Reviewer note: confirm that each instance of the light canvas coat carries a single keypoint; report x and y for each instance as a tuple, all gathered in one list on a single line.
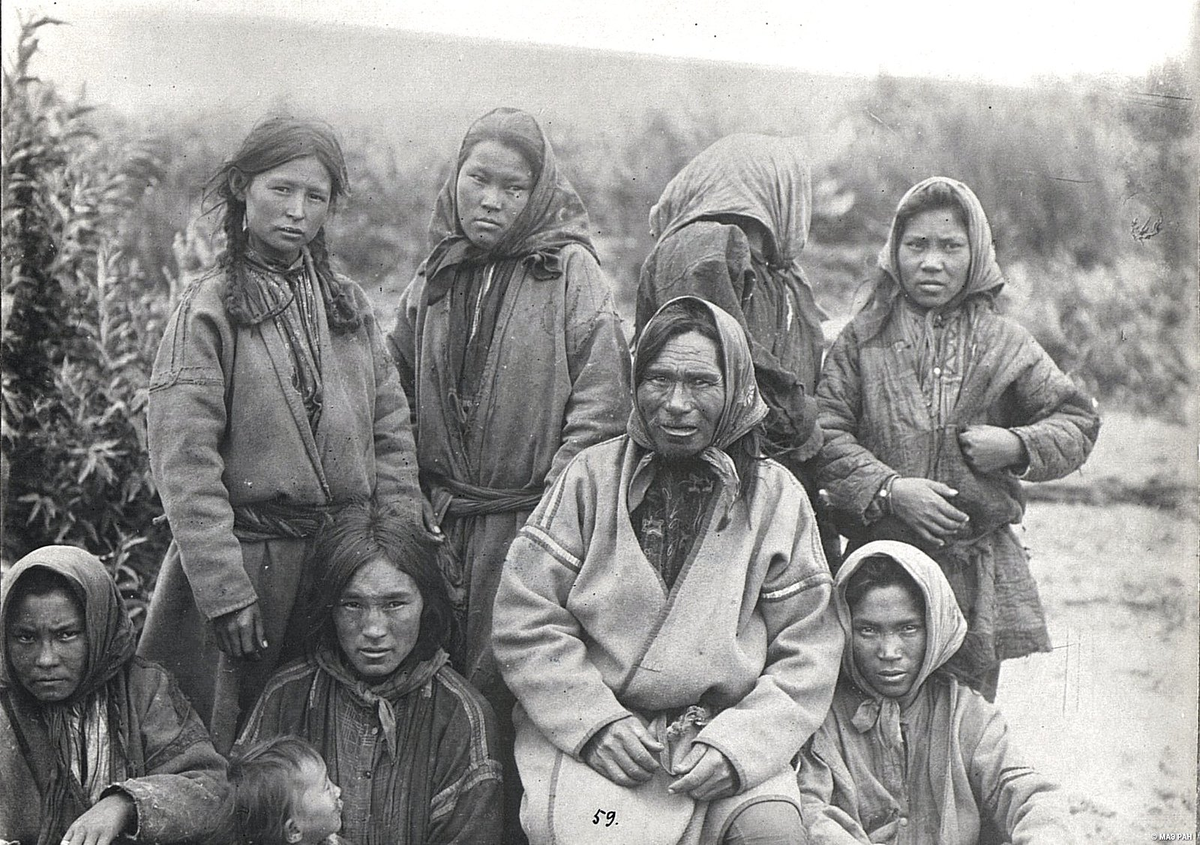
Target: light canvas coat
[(228, 428), (954, 779), (587, 633)]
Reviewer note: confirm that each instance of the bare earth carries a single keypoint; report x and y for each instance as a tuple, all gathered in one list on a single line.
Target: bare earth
[(1111, 713)]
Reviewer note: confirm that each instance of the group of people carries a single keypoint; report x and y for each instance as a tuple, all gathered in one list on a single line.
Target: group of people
[(485, 576)]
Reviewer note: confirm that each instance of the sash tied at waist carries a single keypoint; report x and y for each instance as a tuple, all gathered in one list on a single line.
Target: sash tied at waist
[(458, 498), (273, 520)]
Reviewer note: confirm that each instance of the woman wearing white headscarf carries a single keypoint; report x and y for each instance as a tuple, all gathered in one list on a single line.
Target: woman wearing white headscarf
[(907, 754)]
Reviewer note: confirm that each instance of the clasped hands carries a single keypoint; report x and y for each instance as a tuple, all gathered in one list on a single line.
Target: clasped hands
[(627, 754), (925, 504)]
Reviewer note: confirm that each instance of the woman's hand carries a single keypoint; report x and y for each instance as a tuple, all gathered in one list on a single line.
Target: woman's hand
[(707, 774), (624, 752), (924, 505), (240, 633), (108, 819), (429, 518), (989, 448)]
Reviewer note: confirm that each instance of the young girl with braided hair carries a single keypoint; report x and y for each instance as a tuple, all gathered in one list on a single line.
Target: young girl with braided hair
[(272, 403)]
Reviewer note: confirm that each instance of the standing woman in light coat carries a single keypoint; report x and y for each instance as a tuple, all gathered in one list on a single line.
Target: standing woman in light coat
[(272, 403)]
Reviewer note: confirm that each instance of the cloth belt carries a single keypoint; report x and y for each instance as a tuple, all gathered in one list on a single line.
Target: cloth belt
[(273, 520), (471, 500)]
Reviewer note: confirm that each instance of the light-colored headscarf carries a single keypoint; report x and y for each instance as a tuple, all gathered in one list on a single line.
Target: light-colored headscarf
[(984, 278), (91, 730), (762, 177), (945, 629), (744, 407)]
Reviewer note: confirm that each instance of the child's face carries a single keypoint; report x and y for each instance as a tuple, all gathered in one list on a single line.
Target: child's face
[(286, 206), (888, 639), (316, 804), (935, 256)]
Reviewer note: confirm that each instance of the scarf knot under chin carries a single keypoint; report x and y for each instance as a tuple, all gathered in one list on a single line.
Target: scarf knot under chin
[(881, 712), (382, 696)]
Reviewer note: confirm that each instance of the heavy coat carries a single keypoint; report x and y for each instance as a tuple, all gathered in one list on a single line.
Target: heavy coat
[(227, 428), (548, 375), (764, 179), (879, 424)]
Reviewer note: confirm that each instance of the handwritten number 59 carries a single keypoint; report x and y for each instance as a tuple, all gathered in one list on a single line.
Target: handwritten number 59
[(608, 817)]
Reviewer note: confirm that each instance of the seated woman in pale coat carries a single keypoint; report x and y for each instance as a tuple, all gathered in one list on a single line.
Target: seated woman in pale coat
[(663, 618)]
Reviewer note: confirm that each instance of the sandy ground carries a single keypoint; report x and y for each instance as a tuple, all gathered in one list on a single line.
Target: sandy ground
[(1112, 712)]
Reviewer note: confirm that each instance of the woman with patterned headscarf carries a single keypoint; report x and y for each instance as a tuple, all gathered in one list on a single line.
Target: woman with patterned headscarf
[(935, 408), (663, 618), (96, 743)]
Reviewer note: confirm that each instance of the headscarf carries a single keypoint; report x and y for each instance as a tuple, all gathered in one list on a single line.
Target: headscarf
[(984, 278), (553, 217), (744, 407), (761, 177), (99, 704), (945, 629)]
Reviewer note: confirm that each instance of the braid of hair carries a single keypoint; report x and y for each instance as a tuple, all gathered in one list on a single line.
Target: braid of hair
[(345, 316), (236, 240)]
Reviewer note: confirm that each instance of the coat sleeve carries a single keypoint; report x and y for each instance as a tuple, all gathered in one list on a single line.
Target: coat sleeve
[(1027, 806), (762, 733), (402, 341), (180, 796), (467, 797), (395, 449), (597, 361), (826, 823), (1062, 423), (539, 644), (186, 419), (848, 471)]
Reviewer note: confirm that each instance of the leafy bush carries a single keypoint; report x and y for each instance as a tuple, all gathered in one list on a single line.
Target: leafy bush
[(81, 323)]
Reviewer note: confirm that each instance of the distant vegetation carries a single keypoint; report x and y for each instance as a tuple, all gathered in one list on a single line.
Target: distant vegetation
[(1090, 187)]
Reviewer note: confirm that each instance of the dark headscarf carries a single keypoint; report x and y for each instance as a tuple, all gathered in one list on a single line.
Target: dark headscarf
[(553, 218), (43, 728), (744, 407), (984, 279)]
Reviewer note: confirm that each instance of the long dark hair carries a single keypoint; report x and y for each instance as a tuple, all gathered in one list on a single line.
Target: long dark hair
[(679, 318), (272, 142), (367, 531)]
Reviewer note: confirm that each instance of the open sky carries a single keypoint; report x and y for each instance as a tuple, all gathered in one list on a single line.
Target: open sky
[(1010, 42)]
